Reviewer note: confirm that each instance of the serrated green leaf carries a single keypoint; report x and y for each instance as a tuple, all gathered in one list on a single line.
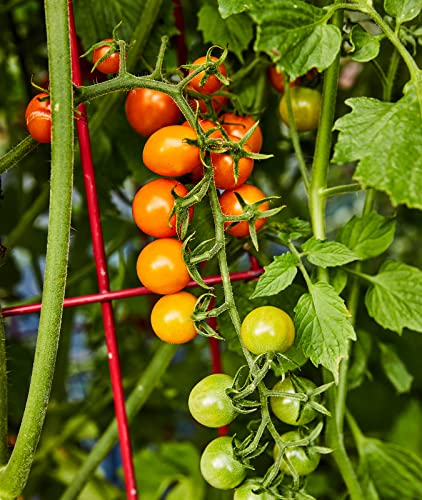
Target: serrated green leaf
[(339, 279), (277, 276), (395, 297), (328, 253), (369, 235), (381, 137), (236, 31), (365, 46), (395, 471), (229, 7), (323, 327), (295, 35), (403, 10), (395, 369)]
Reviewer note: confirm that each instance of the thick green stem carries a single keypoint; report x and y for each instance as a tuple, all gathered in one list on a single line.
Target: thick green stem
[(14, 476), (17, 153), (147, 382), (3, 396)]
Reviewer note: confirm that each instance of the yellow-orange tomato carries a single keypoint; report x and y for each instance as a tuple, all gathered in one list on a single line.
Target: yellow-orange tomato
[(152, 205), (171, 318), (238, 126), (212, 83), (230, 205), (167, 153), (161, 268), (147, 110), (224, 165), (110, 65)]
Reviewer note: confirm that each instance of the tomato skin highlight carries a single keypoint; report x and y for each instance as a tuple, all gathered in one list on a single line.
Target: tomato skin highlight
[(38, 118), (148, 110), (230, 205), (290, 410), (237, 126), (219, 467), (267, 329), (161, 268), (212, 84), (152, 205), (304, 460), (208, 402), (223, 166), (110, 65), (171, 318), (166, 153), (306, 107)]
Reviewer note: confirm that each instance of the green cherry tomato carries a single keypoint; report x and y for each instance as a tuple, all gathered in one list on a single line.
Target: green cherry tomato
[(291, 410), (208, 402), (246, 492), (219, 467), (267, 329), (306, 107), (304, 459)]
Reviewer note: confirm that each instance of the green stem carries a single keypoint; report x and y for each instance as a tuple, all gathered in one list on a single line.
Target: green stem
[(392, 71), (3, 396), (294, 135), (342, 189), (14, 476), (17, 153), (139, 395)]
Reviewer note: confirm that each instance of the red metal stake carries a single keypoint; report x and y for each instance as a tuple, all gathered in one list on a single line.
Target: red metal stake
[(102, 273)]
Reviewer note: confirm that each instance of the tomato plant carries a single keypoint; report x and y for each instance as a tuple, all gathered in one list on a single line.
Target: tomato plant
[(306, 108), (291, 410), (153, 204), (237, 126), (148, 110), (168, 153), (267, 329), (208, 402), (204, 83), (246, 492), (160, 266), (38, 117), (304, 460), (111, 63), (230, 205), (218, 465), (171, 318)]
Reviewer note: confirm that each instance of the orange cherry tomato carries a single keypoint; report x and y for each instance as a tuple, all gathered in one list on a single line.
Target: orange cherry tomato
[(217, 102), (38, 117), (276, 79), (152, 205), (148, 110), (161, 268), (171, 318), (212, 84), (230, 205), (223, 166), (238, 126), (111, 64), (167, 153)]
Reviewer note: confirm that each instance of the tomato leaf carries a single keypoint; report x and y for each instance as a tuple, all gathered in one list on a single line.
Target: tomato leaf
[(403, 10), (277, 276), (323, 327), (361, 352), (394, 471), (365, 46), (369, 235), (295, 35), (229, 7), (236, 31), (407, 431), (395, 369), (395, 298), (327, 253), (381, 137)]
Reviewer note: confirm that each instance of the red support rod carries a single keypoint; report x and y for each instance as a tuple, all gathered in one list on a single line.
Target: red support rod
[(102, 273), (124, 294)]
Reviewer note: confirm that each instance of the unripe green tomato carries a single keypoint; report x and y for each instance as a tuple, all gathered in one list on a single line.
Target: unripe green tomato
[(245, 492), (306, 107), (267, 329), (304, 459), (208, 402), (291, 410), (219, 467)]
